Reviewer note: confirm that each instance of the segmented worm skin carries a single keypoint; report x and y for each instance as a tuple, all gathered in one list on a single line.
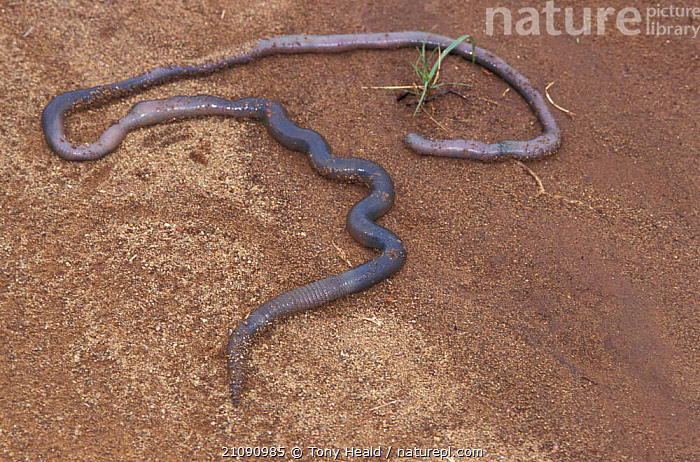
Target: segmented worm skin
[(540, 146), (360, 224), (360, 220)]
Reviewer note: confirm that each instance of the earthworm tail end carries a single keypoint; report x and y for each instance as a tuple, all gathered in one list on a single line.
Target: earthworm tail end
[(360, 223)]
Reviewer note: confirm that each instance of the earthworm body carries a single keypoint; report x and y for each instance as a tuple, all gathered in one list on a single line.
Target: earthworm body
[(360, 220)]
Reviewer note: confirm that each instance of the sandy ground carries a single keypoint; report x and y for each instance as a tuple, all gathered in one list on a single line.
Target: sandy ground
[(557, 326)]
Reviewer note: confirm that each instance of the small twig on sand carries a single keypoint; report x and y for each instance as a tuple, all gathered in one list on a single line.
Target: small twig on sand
[(542, 192), (373, 320), (528, 170), (489, 101), (432, 96), (546, 92), (384, 405), (342, 254), (436, 122)]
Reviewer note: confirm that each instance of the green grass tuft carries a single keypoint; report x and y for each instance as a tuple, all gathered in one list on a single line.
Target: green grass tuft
[(427, 74)]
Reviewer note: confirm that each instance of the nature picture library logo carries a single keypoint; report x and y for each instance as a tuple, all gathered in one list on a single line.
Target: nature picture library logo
[(659, 20)]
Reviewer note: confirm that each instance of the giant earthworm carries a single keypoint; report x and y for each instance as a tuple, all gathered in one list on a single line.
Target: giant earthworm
[(360, 220)]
